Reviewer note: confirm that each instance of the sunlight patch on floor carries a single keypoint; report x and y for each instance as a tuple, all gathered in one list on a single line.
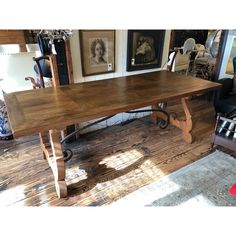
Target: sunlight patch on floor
[(132, 181), (75, 174), (13, 194), (151, 170), (122, 160), (149, 193)]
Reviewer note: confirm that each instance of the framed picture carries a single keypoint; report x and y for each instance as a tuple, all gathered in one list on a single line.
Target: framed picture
[(97, 51), (144, 49), (229, 66)]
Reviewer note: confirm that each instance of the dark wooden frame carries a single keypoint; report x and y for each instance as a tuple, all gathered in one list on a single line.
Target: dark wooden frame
[(220, 55), (86, 37), (159, 38), (178, 37), (230, 58)]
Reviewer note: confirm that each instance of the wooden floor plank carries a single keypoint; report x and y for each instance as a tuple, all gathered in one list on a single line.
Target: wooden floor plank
[(107, 164)]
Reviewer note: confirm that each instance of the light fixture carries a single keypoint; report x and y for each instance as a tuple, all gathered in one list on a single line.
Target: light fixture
[(47, 39), (57, 34)]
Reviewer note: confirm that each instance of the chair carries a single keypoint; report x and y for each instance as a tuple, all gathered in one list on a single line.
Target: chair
[(47, 76), (46, 72), (189, 45), (205, 58), (179, 60)]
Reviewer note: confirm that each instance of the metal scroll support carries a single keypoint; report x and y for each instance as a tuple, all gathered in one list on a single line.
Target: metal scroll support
[(163, 123), (68, 152)]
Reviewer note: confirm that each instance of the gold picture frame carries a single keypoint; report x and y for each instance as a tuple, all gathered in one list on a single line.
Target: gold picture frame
[(97, 51)]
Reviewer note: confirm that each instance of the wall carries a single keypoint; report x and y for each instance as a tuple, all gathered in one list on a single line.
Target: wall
[(121, 51), (120, 69)]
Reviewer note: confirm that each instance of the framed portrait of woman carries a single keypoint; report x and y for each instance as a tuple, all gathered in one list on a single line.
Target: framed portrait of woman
[(144, 49), (97, 51)]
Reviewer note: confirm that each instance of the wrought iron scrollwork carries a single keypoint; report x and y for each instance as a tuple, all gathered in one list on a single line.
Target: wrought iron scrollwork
[(162, 123), (67, 154)]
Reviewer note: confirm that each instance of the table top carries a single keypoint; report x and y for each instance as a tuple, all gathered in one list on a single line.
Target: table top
[(39, 110)]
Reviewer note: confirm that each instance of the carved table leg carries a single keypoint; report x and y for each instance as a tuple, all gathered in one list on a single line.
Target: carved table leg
[(45, 144), (185, 125), (53, 152), (57, 164)]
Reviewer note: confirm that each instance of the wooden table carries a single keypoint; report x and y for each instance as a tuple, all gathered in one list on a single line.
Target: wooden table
[(50, 110)]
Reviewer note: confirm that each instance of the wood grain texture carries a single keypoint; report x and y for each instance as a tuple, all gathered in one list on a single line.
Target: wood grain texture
[(53, 108), (185, 123), (69, 61), (13, 37), (107, 165), (57, 163)]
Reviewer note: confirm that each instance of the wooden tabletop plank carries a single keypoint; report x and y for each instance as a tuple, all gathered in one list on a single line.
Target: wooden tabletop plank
[(39, 110)]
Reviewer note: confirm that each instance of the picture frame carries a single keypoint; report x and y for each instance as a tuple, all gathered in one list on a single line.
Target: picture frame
[(97, 51), (144, 49), (229, 70)]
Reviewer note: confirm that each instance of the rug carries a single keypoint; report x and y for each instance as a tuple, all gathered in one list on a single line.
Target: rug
[(205, 182)]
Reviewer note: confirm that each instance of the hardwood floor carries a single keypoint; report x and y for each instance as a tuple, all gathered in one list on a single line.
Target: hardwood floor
[(107, 164)]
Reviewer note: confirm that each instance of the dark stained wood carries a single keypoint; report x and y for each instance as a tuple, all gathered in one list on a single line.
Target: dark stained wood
[(69, 62), (53, 108), (107, 165), (220, 54), (54, 69)]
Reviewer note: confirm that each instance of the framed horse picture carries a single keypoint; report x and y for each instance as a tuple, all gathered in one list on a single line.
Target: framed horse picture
[(144, 49)]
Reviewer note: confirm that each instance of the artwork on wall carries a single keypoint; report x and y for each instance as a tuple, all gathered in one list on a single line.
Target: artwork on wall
[(97, 51), (178, 37), (144, 49), (229, 66)]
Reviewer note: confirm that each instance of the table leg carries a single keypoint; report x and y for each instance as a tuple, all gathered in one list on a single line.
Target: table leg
[(45, 144), (53, 152), (185, 125)]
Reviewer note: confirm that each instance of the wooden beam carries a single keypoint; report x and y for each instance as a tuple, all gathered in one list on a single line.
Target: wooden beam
[(13, 37)]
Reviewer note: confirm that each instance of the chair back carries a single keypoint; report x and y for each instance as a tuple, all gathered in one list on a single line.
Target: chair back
[(179, 61), (46, 71), (42, 69)]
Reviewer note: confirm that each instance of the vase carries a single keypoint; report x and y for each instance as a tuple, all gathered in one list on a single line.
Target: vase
[(5, 129)]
